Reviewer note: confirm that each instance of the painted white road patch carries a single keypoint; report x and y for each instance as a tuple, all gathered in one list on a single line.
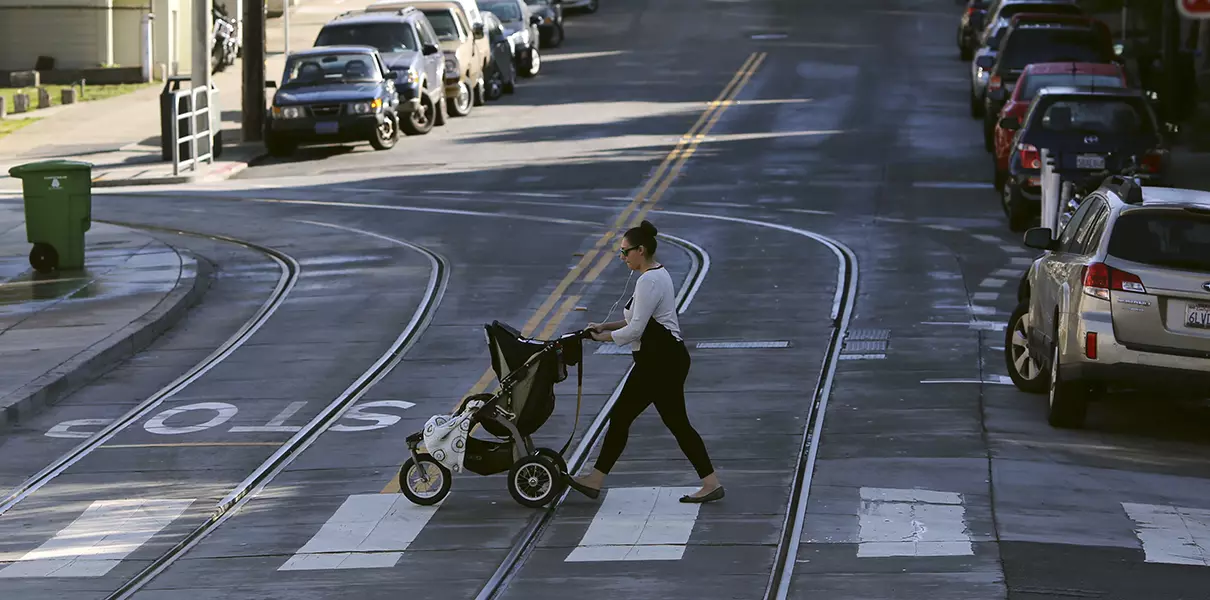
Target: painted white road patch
[(100, 538), (368, 531), (642, 523), (902, 522), (1172, 534)]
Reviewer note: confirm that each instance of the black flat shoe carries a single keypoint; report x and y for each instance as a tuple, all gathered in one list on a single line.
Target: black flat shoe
[(583, 489), (717, 494)]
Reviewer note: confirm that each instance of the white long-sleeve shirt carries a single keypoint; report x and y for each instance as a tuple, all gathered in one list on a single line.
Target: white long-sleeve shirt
[(654, 297)]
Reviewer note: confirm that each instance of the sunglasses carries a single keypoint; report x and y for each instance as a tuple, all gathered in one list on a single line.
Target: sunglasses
[(624, 251)]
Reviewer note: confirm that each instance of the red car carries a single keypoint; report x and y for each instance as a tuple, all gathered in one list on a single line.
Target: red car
[(1035, 77)]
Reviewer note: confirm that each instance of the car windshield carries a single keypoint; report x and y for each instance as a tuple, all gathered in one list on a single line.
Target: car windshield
[(1163, 238), (321, 69), (443, 24), (1028, 46), (506, 11), (1033, 83), (386, 37), (1103, 116)]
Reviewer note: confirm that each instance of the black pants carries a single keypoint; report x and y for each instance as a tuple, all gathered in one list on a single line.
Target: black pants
[(658, 378)]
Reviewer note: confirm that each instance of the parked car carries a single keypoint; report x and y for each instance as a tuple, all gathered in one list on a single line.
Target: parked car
[(1028, 40), (409, 47), (464, 44), (501, 71), (980, 67), (550, 29), (1007, 9), (588, 6), (1093, 133), (521, 30), (1081, 76), (333, 94), (1121, 298), (970, 26)]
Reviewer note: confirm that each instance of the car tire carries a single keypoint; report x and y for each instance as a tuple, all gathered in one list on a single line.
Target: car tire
[(420, 122), (495, 86), (1023, 368), (441, 115), (556, 37), (1013, 204), (461, 106), (1068, 400), (386, 133), (510, 87), (533, 65), (480, 91)]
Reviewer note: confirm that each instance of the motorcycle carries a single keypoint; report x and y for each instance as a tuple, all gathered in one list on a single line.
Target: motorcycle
[(225, 45)]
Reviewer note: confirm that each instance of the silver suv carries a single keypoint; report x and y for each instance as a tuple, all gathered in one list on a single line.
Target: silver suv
[(1121, 297)]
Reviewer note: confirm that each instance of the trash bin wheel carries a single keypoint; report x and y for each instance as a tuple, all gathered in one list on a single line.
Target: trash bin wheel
[(413, 484), (44, 258), (534, 481)]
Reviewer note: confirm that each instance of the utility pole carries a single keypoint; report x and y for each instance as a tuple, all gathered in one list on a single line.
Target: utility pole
[(254, 70), (286, 21), (200, 77)]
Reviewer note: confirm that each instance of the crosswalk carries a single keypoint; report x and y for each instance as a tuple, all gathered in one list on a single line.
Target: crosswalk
[(635, 524)]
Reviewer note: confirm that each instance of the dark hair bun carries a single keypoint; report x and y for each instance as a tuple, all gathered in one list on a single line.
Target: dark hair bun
[(647, 228)]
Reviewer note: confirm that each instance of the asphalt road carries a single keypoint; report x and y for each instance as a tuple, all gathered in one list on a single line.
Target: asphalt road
[(814, 125)]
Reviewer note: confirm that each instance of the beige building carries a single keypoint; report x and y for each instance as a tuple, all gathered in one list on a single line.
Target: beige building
[(92, 34)]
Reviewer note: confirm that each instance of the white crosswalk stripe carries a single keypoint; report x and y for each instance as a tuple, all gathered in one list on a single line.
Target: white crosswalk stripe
[(368, 531), (636, 524), (101, 537), (1172, 534), (912, 522)]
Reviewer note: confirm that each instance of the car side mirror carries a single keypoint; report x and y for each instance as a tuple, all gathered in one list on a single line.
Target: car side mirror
[(270, 84), (478, 30), (1010, 123), (535, 20), (392, 75), (1040, 238), (985, 62)]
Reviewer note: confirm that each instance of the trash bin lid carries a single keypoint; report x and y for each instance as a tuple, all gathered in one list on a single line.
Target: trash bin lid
[(49, 166)]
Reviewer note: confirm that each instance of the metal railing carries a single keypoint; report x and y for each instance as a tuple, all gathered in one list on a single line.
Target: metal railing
[(193, 126)]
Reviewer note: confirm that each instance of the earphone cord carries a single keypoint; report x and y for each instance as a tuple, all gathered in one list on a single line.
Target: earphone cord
[(615, 304)]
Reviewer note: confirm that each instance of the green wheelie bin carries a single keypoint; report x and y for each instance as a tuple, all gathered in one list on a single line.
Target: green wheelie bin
[(58, 210)]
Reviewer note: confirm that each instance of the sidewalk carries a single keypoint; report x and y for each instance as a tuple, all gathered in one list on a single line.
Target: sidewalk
[(121, 136), (57, 332)]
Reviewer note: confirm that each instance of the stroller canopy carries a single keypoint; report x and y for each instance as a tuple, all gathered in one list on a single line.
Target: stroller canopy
[(532, 386)]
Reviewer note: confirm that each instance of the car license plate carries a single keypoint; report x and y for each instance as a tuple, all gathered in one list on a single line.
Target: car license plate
[(1197, 316), (327, 127), (1090, 161)]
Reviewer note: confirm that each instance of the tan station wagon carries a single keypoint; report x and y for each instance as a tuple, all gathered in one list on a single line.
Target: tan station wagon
[(464, 43)]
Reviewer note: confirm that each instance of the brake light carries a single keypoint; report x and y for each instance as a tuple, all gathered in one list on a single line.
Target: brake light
[(1100, 279), (970, 10), (1030, 157), (994, 82), (1152, 162), (1090, 345)]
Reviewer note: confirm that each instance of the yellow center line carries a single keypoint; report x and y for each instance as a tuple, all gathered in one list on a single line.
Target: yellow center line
[(669, 166)]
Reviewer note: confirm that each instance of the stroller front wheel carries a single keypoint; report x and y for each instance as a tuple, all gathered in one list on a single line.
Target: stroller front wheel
[(534, 481), (425, 483)]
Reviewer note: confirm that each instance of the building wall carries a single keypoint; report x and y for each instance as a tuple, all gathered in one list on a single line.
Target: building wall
[(74, 32)]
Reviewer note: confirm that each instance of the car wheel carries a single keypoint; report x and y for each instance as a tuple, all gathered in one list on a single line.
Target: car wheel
[(495, 86), (420, 121), (461, 106), (556, 36), (535, 63), (1023, 367), (278, 147), (480, 91), (386, 134), (439, 117), (1014, 207), (1068, 401)]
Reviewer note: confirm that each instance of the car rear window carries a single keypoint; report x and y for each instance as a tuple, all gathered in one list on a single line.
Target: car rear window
[(386, 37), (1027, 46), (1036, 82), (1168, 238), (1094, 116)]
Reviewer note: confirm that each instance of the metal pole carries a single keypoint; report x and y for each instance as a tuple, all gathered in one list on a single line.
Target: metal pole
[(145, 49), (1050, 194), (200, 76), (253, 105), (286, 21)]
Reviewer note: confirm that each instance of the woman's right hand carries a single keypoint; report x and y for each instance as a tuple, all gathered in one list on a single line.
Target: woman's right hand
[(594, 327)]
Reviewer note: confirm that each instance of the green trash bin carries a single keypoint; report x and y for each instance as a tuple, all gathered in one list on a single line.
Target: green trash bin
[(58, 210)]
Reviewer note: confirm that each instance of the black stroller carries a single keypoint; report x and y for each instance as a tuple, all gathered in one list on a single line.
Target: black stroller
[(527, 370)]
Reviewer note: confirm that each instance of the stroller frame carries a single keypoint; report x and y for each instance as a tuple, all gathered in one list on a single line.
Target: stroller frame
[(536, 474)]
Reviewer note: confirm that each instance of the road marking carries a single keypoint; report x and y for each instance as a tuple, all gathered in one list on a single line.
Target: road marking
[(277, 424), (943, 227), (808, 211), (902, 522), (644, 523), (723, 204), (730, 345), (1172, 534), (189, 445), (222, 410), (1012, 249), (64, 429), (368, 531), (985, 296), (974, 309), (990, 380), (993, 282), (1007, 273), (381, 420), (1023, 261), (100, 538), (861, 357), (983, 237)]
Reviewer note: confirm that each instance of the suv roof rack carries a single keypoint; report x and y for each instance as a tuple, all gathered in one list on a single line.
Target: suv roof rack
[(1127, 188)]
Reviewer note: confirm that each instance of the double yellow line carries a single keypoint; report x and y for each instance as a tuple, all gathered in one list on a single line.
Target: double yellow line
[(651, 192)]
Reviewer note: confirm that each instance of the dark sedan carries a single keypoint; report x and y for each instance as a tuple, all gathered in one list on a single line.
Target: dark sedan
[(333, 94)]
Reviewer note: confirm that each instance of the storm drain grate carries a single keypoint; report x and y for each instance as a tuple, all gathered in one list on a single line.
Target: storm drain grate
[(865, 344), (869, 334)]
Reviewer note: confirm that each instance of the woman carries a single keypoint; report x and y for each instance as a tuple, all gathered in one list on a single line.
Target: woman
[(661, 364)]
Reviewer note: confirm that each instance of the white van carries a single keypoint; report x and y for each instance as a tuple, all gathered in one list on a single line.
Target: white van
[(470, 7)]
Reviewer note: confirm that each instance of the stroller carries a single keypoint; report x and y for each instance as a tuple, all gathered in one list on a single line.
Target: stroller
[(527, 370)]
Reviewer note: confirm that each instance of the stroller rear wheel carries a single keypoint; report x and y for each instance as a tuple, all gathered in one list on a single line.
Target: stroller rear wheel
[(554, 457), (534, 481), (425, 483)]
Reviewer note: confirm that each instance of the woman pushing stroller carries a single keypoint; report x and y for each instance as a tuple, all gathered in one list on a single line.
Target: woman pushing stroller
[(661, 365)]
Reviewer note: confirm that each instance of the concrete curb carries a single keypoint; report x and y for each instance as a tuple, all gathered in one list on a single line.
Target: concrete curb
[(50, 388), (219, 174)]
